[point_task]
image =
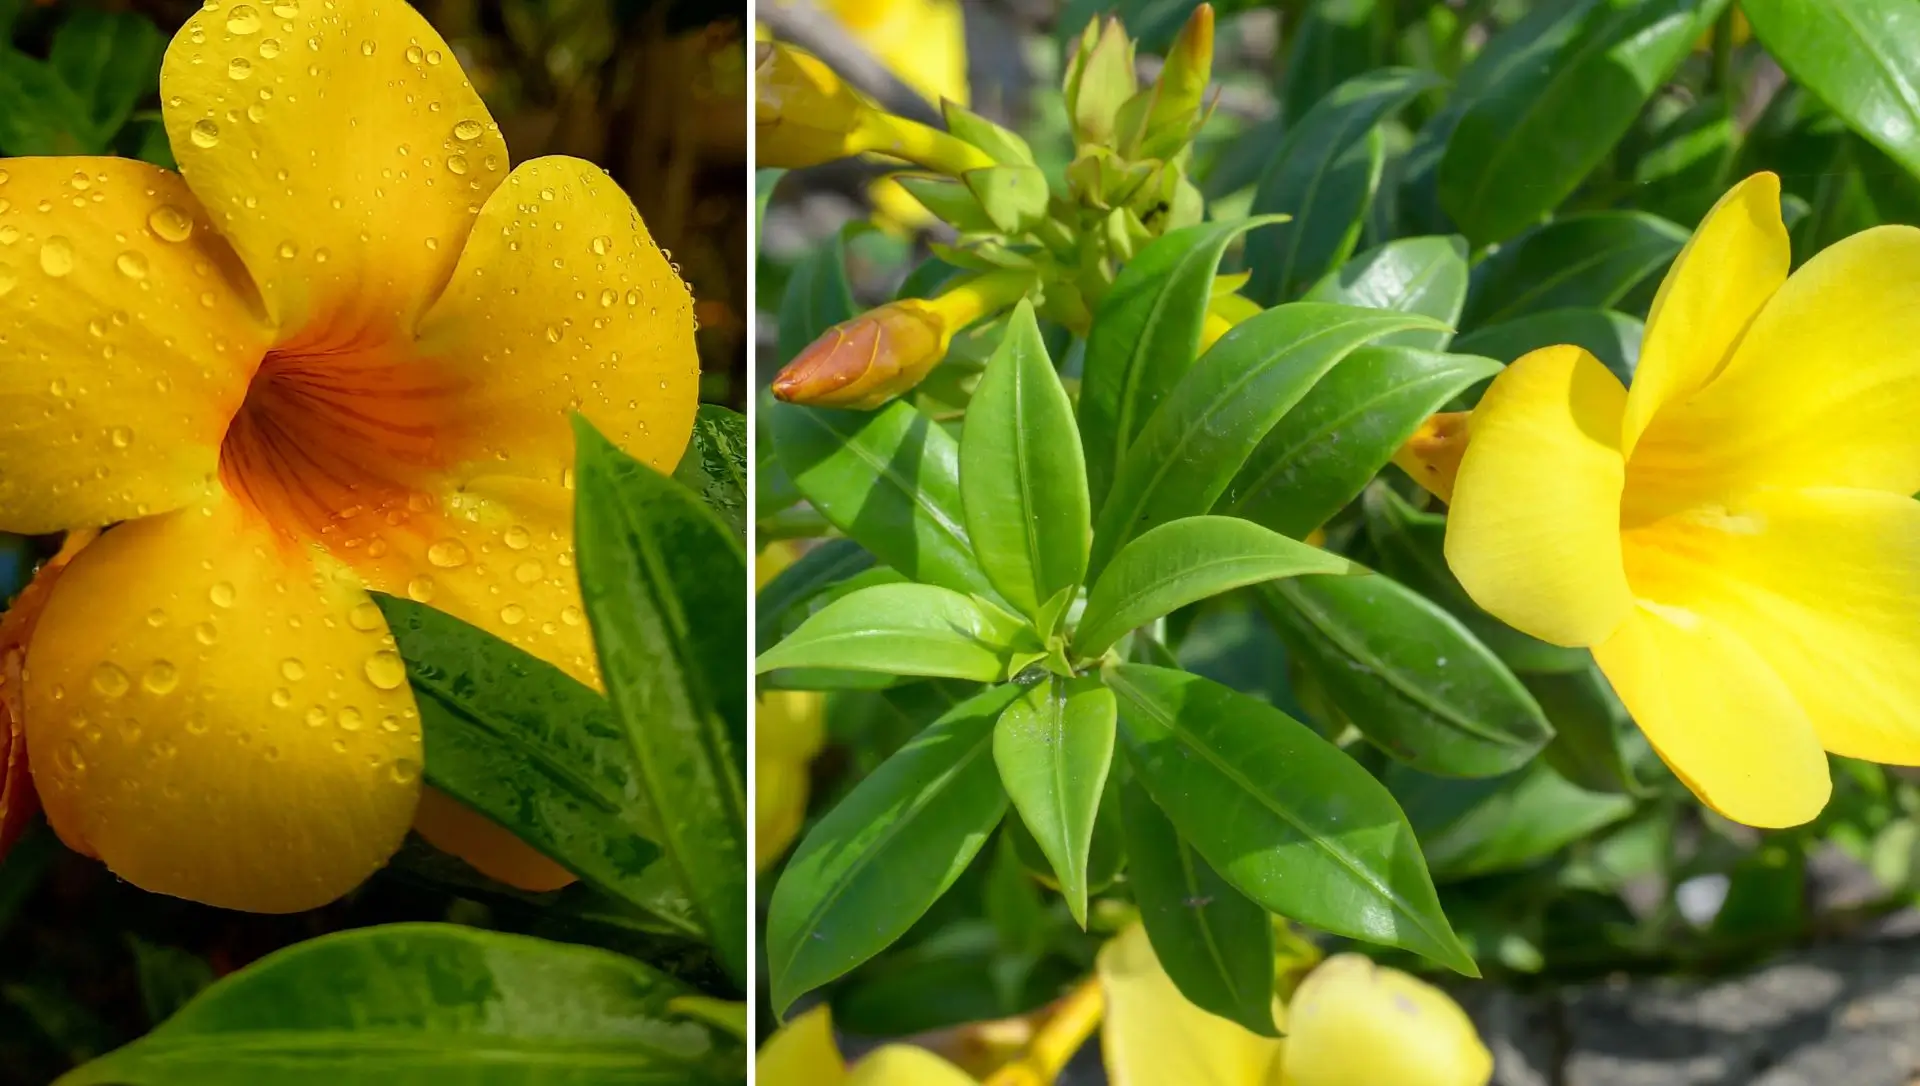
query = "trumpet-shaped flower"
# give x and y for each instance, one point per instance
(805, 114)
(335, 353)
(1734, 536)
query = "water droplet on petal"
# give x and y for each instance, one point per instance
(131, 264)
(457, 164)
(467, 130)
(513, 614)
(205, 133)
(529, 572)
(243, 19)
(170, 223)
(239, 68)
(420, 589)
(516, 538)
(282, 697)
(385, 670)
(109, 681)
(56, 256)
(161, 677)
(222, 594)
(415, 54)
(351, 719)
(121, 437)
(448, 554)
(269, 48)
(367, 48)
(602, 245)
(157, 617)
(292, 670)
(288, 250)
(571, 615)
(206, 633)
(364, 617)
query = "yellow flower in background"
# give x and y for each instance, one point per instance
(789, 728)
(1735, 536)
(804, 1053)
(923, 42)
(1350, 1023)
(336, 353)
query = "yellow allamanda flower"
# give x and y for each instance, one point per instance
(1734, 536)
(789, 728)
(804, 1053)
(336, 352)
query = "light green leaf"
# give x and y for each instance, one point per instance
(905, 629)
(1411, 275)
(1053, 748)
(1588, 261)
(1014, 197)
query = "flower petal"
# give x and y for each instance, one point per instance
(488, 848)
(1822, 392)
(563, 303)
(1825, 586)
(1735, 261)
(802, 1053)
(1718, 714)
(218, 714)
(340, 149)
(1534, 530)
(1154, 1037)
(127, 336)
(1353, 1022)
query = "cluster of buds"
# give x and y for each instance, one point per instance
(1019, 235)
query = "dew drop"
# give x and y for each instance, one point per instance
(206, 633)
(415, 54)
(351, 719)
(288, 250)
(243, 19)
(602, 245)
(239, 68)
(56, 256)
(457, 165)
(121, 437)
(448, 554)
(222, 594)
(553, 333)
(516, 538)
(385, 670)
(571, 615)
(269, 48)
(364, 617)
(282, 697)
(513, 614)
(367, 48)
(169, 223)
(157, 617)
(109, 681)
(420, 589)
(292, 670)
(131, 264)
(467, 130)
(161, 677)
(316, 716)
(529, 572)
(205, 133)
(405, 771)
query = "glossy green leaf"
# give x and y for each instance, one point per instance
(1053, 748)
(1858, 57)
(1592, 730)
(665, 586)
(1215, 943)
(783, 603)
(1528, 817)
(715, 463)
(818, 297)
(1409, 675)
(534, 750)
(1023, 478)
(1412, 275)
(1567, 87)
(875, 863)
(430, 1005)
(1282, 814)
(1324, 175)
(905, 629)
(1343, 432)
(1186, 561)
(1218, 414)
(110, 61)
(1588, 261)
(1146, 333)
(890, 480)
(1613, 338)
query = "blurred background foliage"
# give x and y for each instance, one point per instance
(654, 91)
(1592, 861)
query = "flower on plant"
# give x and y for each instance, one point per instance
(1734, 536)
(1349, 1023)
(804, 1053)
(789, 728)
(336, 353)
(805, 114)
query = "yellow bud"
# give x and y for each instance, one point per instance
(1354, 1023)
(805, 114)
(864, 362)
(1181, 100)
(790, 730)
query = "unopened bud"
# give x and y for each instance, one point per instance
(1102, 81)
(1179, 106)
(805, 114)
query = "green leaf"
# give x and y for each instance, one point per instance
(875, 863)
(1053, 747)
(1857, 56)
(169, 977)
(664, 582)
(818, 296)
(1334, 41)
(950, 201)
(1591, 729)
(1215, 943)
(109, 60)
(780, 606)
(905, 629)
(1683, 175)
(1613, 338)
(1324, 175)
(890, 479)
(1218, 414)
(1001, 144)
(1014, 197)
(429, 1005)
(1588, 261)
(1146, 333)
(1347, 427)
(715, 463)
(1412, 275)
(1526, 818)
(1554, 101)
(1023, 478)
(1281, 813)
(537, 752)
(1409, 675)
(1186, 561)
(42, 116)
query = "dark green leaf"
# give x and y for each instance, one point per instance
(818, 297)
(783, 602)
(1053, 748)
(1281, 813)
(42, 116)
(1591, 729)
(715, 463)
(873, 864)
(169, 977)
(1146, 333)
(1613, 338)
(430, 1005)
(1186, 561)
(905, 629)
(1334, 41)
(1211, 422)
(537, 752)
(1324, 175)
(1409, 675)
(1412, 275)
(1215, 943)
(109, 60)
(664, 581)
(1023, 478)
(890, 479)
(1857, 56)
(1683, 174)
(1527, 818)
(1567, 88)
(1588, 261)
(1321, 455)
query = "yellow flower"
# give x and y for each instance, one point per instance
(864, 362)
(803, 1053)
(805, 114)
(336, 353)
(1350, 1023)
(923, 42)
(1734, 537)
